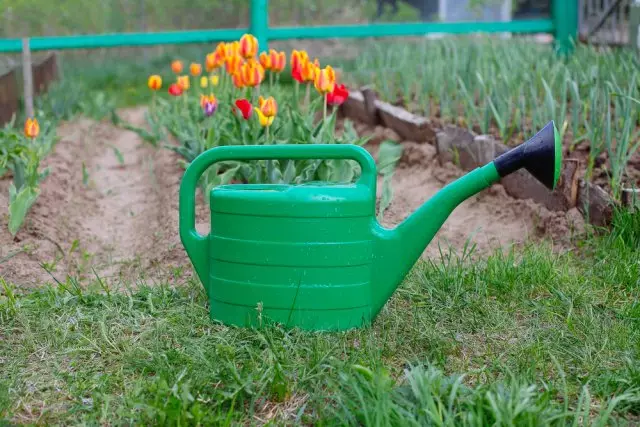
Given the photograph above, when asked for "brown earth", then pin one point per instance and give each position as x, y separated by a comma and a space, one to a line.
125, 219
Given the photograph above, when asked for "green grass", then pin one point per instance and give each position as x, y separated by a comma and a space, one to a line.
530, 337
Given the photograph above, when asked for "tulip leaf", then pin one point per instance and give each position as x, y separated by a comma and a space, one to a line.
388, 156
289, 172
20, 203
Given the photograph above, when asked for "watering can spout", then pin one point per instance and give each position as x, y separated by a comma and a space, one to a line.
397, 250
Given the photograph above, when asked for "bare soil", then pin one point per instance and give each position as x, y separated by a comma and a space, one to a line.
122, 225
124, 220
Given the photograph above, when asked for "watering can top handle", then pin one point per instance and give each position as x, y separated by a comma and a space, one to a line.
266, 152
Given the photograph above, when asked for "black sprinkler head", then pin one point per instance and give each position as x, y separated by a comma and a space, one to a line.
541, 156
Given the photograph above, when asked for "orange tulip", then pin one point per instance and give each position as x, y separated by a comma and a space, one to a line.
232, 48
176, 67
309, 71
31, 128
221, 50
232, 64
252, 73
236, 78
325, 80
277, 60
184, 82
268, 106
248, 46
298, 59
154, 82
265, 61
213, 61
195, 69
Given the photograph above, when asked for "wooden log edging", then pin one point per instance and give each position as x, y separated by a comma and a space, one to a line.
468, 151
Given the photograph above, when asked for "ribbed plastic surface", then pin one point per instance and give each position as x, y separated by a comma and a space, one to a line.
301, 253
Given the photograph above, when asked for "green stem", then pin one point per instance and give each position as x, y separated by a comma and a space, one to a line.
324, 108
296, 93
335, 122
306, 97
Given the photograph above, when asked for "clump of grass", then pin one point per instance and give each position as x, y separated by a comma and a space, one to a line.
521, 337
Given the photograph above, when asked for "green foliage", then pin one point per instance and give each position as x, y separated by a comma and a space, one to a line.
512, 88
388, 156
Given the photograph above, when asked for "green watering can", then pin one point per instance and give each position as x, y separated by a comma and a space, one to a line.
313, 256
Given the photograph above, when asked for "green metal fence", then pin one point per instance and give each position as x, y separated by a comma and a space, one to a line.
563, 24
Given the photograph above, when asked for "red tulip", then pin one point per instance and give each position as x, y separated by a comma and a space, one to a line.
339, 94
245, 108
175, 89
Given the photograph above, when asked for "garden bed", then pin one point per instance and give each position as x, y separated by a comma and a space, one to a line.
120, 219
508, 90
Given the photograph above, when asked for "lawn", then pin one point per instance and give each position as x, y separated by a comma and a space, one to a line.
533, 334
526, 337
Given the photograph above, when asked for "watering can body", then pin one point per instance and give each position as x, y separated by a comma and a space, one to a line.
313, 256
299, 255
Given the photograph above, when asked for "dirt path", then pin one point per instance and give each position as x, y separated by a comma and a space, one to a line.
120, 223
122, 218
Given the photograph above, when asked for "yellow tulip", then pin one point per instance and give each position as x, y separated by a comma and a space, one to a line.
204, 82
264, 120
184, 82
154, 82
325, 80
215, 80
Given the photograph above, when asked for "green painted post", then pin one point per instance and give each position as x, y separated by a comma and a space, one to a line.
259, 22
565, 18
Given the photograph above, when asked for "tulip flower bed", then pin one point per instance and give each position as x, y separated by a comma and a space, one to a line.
236, 98
510, 89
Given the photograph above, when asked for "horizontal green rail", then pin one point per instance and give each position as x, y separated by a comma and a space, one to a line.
410, 29
93, 41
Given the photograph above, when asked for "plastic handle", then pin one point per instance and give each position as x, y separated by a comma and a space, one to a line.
195, 244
